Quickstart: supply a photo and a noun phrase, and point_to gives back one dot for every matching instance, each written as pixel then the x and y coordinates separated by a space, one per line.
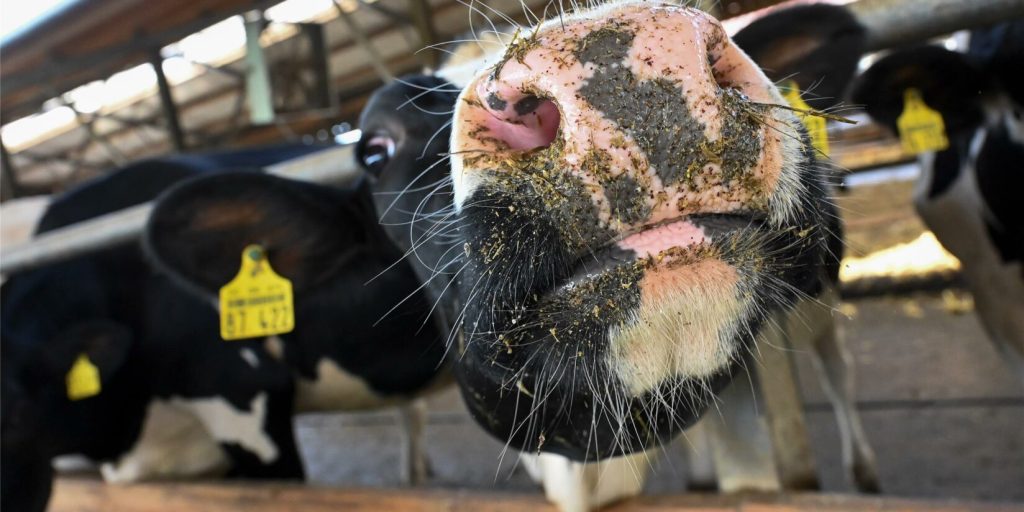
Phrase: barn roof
pixel 87 40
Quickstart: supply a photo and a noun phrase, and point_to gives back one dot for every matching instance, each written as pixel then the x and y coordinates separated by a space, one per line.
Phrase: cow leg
pixel 280 427
pixel 1012 354
pixel 584 486
pixel 700 464
pixel 414 469
pixel 998 308
pixel 832 362
pixel 741 446
pixel 780 394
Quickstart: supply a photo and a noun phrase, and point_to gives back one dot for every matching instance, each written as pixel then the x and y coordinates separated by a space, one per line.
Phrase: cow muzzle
pixel 631 198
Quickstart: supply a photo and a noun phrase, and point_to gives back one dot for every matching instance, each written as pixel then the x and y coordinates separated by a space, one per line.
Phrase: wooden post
pixel 322 96
pixel 780 391
pixel 167 101
pixel 424 23
pixel 257 75
pixel 364 42
pixel 9 188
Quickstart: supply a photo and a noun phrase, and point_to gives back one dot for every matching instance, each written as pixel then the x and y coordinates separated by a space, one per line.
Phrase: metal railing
pixel 330 166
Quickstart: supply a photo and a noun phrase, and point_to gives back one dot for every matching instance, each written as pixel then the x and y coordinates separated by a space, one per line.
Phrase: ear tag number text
pixel 921 128
pixel 83 379
pixel 816 126
pixel 257 302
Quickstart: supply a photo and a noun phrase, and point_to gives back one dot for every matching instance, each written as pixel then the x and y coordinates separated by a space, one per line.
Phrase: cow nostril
pixel 530 122
pixel 527 105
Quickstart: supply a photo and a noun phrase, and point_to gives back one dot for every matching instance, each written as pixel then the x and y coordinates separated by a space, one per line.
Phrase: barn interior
pixel 88 86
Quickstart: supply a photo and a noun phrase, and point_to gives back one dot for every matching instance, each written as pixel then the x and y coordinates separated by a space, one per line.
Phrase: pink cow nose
pixel 520 120
pixel 649 109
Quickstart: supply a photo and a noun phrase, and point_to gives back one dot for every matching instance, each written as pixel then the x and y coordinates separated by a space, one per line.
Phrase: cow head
pixel 355 302
pixel 632 200
pixel 404 151
pixel 947 81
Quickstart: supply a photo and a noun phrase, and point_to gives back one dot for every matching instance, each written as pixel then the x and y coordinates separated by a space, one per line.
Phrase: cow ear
pixel 199 228
pixel 817 46
pixel 102 344
pixel 947 81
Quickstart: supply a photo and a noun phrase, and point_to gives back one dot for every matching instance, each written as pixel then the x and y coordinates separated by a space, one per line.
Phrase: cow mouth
pixel 551 346
pixel 668 244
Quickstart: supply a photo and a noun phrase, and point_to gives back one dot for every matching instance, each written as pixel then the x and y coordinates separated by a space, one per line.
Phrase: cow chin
pixel 619 349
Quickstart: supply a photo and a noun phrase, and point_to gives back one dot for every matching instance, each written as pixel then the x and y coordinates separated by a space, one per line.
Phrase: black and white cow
pixel 967 194
pixel 175 399
pixel 161 369
pixel 363 335
pixel 400 147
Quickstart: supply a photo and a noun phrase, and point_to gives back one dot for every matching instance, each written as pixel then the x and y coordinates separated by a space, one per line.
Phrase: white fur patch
pixel 173 443
pixel 73 464
pixel 472 56
pixel 250 357
pixel 581 487
pixel 687 330
pixel 785 201
pixel 229 425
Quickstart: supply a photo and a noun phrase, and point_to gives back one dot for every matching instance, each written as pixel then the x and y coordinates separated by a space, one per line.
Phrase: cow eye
pixel 376 152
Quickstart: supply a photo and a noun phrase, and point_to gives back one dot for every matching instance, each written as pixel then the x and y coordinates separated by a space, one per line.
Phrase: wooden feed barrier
pixel 87 495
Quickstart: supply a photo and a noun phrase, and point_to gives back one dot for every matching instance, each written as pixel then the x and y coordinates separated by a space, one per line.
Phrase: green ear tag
pixel 921 128
pixel 816 126
pixel 257 302
pixel 83 379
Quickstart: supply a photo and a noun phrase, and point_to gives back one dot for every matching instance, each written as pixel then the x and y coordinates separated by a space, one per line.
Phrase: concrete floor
pixel 943 413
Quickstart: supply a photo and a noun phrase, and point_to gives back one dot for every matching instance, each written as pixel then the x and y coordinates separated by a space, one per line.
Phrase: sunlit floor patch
pixel 923 256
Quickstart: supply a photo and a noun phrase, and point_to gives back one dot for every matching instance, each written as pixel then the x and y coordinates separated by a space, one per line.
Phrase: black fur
pixel 411 191
pixel 1000 186
pixel 149 339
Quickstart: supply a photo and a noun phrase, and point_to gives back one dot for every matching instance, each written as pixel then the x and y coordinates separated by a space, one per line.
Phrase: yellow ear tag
pixel 83 379
pixel 921 128
pixel 815 125
pixel 257 302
